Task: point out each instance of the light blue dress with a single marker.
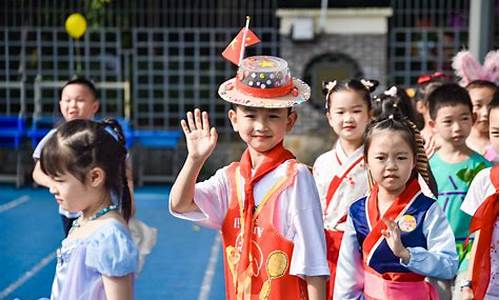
(81, 263)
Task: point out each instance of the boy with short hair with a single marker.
(78, 100)
(454, 164)
(266, 206)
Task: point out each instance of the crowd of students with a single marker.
(404, 205)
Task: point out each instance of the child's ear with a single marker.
(96, 177)
(231, 115)
(291, 119)
(95, 106)
(432, 124)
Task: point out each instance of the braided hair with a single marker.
(410, 133)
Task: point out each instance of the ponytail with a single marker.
(121, 186)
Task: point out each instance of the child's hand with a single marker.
(393, 237)
(200, 138)
(467, 293)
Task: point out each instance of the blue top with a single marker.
(383, 259)
(81, 263)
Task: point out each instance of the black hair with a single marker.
(82, 81)
(411, 135)
(362, 87)
(449, 94)
(423, 90)
(493, 103)
(80, 145)
(386, 104)
(481, 84)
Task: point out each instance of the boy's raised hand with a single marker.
(200, 138)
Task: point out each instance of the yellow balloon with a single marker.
(75, 25)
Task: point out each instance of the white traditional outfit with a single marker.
(341, 180)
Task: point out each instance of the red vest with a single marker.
(271, 252)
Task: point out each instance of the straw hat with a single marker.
(264, 81)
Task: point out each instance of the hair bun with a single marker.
(370, 84)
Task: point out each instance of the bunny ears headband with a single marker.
(468, 68)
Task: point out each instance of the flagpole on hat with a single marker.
(242, 52)
(235, 51)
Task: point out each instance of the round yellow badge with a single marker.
(407, 223)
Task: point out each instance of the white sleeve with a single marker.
(211, 197)
(440, 259)
(320, 186)
(476, 193)
(349, 275)
(309, 252)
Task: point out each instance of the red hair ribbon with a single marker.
(425, 78)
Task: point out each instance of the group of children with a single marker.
(380, 216)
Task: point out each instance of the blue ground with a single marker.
(32, 231)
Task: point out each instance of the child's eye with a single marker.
(57, 179)
(447, 122)
(250, 116)
(402, 157)
(274, 116)
(379, 157)
(465, 119)
(339, 112)
(357, 111)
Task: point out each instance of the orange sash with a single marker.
(484, 220)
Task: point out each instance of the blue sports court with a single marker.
(185, 264)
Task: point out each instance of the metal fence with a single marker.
(424, 36)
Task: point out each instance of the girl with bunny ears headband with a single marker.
(481, 81)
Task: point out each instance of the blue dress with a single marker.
(81, 263)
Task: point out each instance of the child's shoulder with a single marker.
(475, 157)
(325, 157)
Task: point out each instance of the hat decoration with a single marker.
(468, 68)
(261, 81)
(264, 81)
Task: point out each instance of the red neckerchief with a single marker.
(272, 160)
(399, 204)
(484, 220)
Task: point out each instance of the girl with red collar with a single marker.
(396, 236)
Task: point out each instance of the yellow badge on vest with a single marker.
(407, 223)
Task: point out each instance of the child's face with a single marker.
(481, 97)
(494, 128)
(453, 124)
(69, 192)
(348, 115)
(77, 102)
(262, 128)
(390, 160)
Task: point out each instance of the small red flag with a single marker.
(233, 50)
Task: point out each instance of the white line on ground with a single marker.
(14, 203)
(206, 284)
(27, 275)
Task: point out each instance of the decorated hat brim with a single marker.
(237, 97)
